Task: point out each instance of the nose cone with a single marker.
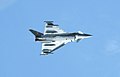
(87, 35)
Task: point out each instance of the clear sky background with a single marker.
(98, 56)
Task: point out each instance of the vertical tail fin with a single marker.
(36, 33)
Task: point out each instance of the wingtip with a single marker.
(48, 21)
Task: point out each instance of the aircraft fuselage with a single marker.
(63, 36)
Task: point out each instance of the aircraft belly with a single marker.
(63, 38)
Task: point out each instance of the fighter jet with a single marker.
(54, 37)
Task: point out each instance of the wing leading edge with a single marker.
(48, 48)
(51, 28)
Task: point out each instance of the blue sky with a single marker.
(98, 56)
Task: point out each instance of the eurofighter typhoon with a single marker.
(54, 37)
